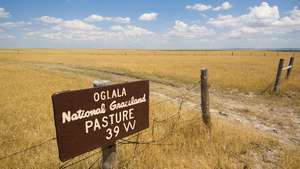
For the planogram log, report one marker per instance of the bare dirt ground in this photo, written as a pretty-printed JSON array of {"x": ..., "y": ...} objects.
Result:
[{"x": 275, "y": 116}]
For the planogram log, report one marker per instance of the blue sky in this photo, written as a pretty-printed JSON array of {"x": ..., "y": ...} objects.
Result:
[{"x": 146, "y": 24}]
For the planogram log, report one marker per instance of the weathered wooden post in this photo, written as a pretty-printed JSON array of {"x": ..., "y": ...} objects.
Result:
[
  {"x": 109, "y": 152},
  {"x": 205, "y": 98},
  {"x": 291, "y": 62},
  {"x": 277, "y": 80}
]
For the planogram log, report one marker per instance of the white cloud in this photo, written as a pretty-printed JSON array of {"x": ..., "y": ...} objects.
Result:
[
  {"x": 243, "y": 31},
  {"x": 225, "y": 20},
  {"x": 116, "y": 28},
  {"x": 263, "y": 13},
  {"x": 6, "y": 37},
  {"x": 292, "y": 21},
  {"x": 98, "y": 18},
  {"x": 148, "y": 16},
  {"x": 295, "y": 13},
  {"x": 246, "y": 29},
  {"x": 60, "y": 24},
  {"x": 66, "y": 34},
  {"x": 17, "y": 24},
  {"x": 199, "y": 7},
  {"x": 4, "y": 13},
  {"x": 203, "y": 7},
  {"x": 183, "y": 30},
  {"x": 59, "y": 29},
  {"x": 77, "y": 24},
  {"x": 225, "y": 6},
  {"x": 260, "y": 20},
  {"x": 128, "y": 32},
  {"x": 50, "y": 20},
  {"x": 258, "y": 16},
  {"x": 95, "y": 18},
  {"x": 256, "y": 26},
  {"x": 121, "y": 19}
]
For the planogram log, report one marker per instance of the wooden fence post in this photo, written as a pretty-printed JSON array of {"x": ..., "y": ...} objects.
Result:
[
  {"x": 109, "y": 152},
  {"x": 205, "y": 98},
  {"x": 277, "y": 80},
  {"x": 291, "y": 62}
]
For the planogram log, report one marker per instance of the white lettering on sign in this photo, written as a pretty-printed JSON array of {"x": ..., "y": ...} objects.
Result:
[
  {"x": 81, "y": 114},
  {"x": 129, "y": 125},
  {"x": 133, "y": 101},
  {"x": 112, "y": 123},
  {"x": 89, "y": 118},
  {"x": 116, "y": 118},
  {"x": 95, "y": 124},
  {"x": 112, "y": 133},
  {"x": 107, "y": 95},
  {"x": 96, "y": 97}
]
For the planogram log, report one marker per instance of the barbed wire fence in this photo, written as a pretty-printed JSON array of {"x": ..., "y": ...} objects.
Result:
[
  {"x": 179, "y": 99},
  {"x": 274, "y": 86},
  {"x": 173, "y": 117}
]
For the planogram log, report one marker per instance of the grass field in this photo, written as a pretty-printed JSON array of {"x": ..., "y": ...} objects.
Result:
[
  {"x": 27, "y": 120},
  {"x": 27, "y": 115},
  {"x": 245, "y": 70}
]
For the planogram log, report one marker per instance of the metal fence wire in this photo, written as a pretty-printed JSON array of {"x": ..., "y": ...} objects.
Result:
[{"x": 182, "y": 97}]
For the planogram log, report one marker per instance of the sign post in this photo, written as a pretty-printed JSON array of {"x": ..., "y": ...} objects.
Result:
[
  {"x": 205, "y": 98},
  {"x": 109, "y": 152},
  {"x": 278, "y": 74},
  {"x": 289, "y": 70},
  {"x": 97, "y": 117}
]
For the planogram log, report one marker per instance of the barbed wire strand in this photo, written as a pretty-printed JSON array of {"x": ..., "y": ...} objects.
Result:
[
  {"x": 182, "y": 98},
  {"x": 64, "y": 165},
  {"x": 27, "y": 149},
  {"x": 172, "y": 98},
  {"x": 153, "y": 142},
  {"x": 128, "y": 141},
  {"x": 126, "y": 161},
  {"x": 94, "y": 163},
  {"x": 171, "y": 130},
  {"x": 46, "y": 141},
  {"x": 172, "y": 116},
  {"x": 160, "y": 139}
]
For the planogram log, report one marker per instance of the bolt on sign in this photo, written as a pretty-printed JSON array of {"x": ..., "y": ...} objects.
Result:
[{"x": 90, "y": 118}]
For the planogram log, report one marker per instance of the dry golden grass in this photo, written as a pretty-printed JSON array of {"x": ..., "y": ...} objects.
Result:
[
  {"x": 291, "y": 159},
  {"x": 245, "y": 70},
  {"x": 192, "y": 146},
  {"x": 27, "y": 119}
]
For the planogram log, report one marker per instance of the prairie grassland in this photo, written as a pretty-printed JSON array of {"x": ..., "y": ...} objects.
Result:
[
  {"x": 291, "y": 158},
  {"x": 27, "y": 115},
  {"x": 242, "y": 70},
  {"x": 27, "y": 119}
]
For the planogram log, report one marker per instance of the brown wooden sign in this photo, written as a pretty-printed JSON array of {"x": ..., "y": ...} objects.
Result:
[{"x": 90, "y": 118}]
